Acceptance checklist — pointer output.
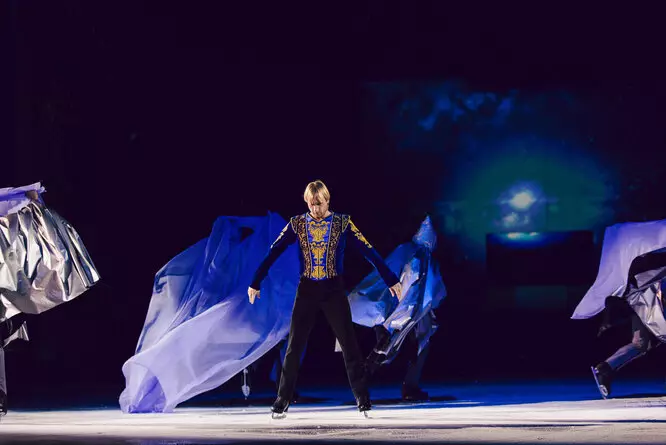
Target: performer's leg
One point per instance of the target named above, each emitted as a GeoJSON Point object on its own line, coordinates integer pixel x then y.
{"type": "Point", "coordinates": [337, 312]}
{"type": "Point", "coordinates": [642, 342]}
{"type": "Point", "coordinates": [3, 383]}
{"type": "Point", "coordinates": [410, 386]}
{"type": "Point", "coordinates": [3, 380]}
{"type": "Point", "coordinates": [276, 374]}
{"type": "Point", "coordinates": [415, 368]}
{"type": "Point", "coordinates": [9, 326]}
{"type": "Point", "coordinates": [278, 353]}
{"type": "Point", "coordinates": [303, 317]}
{"type": "Point", "coordinates": [377, 356]}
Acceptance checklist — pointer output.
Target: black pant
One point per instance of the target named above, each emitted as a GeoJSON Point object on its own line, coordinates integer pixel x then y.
{"type": "Point", "coordinates": [7, 328]}
{"type": "Point", "coordinates": [329, 296]}
{"type": "Point", "coordinates": [641, 343]}
{"type": "Point", "coordinates": [411, 343]}
{"type": "Point", "coordinates": [416, 362]}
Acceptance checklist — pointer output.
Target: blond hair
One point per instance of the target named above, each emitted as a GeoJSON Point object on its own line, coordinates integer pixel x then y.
{"type": "Point", "coordinates": [316, 190]}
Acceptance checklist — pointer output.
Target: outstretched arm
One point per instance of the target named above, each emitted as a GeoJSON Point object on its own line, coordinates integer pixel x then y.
{"type": "Point", "coordinates": [370, 253]}
{"type": "Point", "coordinates": [286, 237]}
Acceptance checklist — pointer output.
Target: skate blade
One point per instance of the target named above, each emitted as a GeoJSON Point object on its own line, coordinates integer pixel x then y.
{"type": "Point", "coordinates": [366, 414]}
{"type": "Point", "coordinates": [602, 389]}
{"type": "Point", "coordinates": [276, 416]}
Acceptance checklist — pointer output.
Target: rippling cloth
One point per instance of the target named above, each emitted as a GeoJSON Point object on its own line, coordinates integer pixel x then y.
{"type": "Point", "coordinates": [200, 329]}
{"type": "Point", "coordinates": [43, 261]}
{"type": "Point", "coordinates": [633, 262]}
{"type": "Point", "coordinates": [423, 288]}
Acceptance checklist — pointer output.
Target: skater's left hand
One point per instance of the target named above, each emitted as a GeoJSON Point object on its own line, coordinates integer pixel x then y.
{"type": "Point", "coordinates": [396, 291]}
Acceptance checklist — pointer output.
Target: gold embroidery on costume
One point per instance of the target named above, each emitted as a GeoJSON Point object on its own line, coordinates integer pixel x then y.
{"type": "Point", "coordinates": [318, 270]}
{"type": "Point", "coordinates": [359, 235]}
{"type": "Point", "coordinates": [298, 224]}
{"type": "Point", "coordinates": [333, 239]}
{"type": "Point", "coordinates": [318, 231]}
{"type": "Point", "coordinates": [345, 222]}
{"type": "Point", "coordinates": [319, 242]}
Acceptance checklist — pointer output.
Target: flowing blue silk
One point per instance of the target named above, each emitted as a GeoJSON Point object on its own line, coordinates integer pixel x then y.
{"type": "Point", "coordinates": [200, 329]}
{"type": "Point", "coordinates": [423, 288]}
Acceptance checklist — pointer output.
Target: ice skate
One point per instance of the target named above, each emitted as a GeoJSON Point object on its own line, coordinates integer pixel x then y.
{"type": "Point", "coordinates": [279, 408]}
{"type": "Point", "coordinates": [364, 405]}
{"type": "Point", "coordinates": [602, 374]}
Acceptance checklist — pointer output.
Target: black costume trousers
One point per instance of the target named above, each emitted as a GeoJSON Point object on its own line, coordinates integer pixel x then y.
{"type": "Point", "coordinates": [329, 296]}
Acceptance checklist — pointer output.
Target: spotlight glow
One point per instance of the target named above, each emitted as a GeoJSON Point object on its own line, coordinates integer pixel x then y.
{"type": "Point", "coordinates": [522, 200]}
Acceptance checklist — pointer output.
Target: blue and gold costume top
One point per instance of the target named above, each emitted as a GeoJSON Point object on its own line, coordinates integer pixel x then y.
{"type": "Point", "coordinates": [322, 246]}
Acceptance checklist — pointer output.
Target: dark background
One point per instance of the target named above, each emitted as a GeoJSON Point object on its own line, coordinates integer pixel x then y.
{"type": "Point", "coordinates": [147, 120]}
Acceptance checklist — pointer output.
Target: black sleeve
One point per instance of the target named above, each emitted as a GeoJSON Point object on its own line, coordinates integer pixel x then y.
{"type": "Point", "coordinates": [371, 254]}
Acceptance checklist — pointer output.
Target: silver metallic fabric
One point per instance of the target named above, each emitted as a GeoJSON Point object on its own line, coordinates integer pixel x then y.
{"type": "Point", "coordinates": [632, 265]}
{"type": "Point", "coordinates": [43, 262]}
{"type": "Point", "coordinates": [423, 289]}
{"type": "Point", "coordinates": [650, 310]}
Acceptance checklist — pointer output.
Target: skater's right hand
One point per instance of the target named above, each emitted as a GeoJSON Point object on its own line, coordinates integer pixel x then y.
{"type": "Point", "coordinates": [252, 294]}
{"type": "Point", "coordinates": [396, 291]}
{"type": "Point", "coordinates": [32, 195]}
